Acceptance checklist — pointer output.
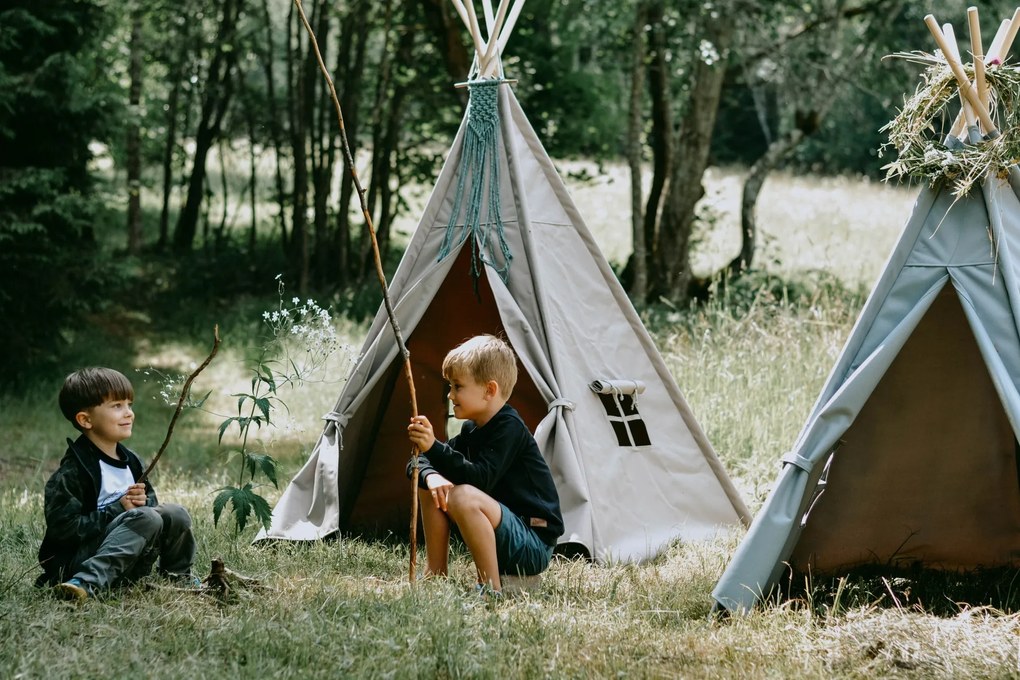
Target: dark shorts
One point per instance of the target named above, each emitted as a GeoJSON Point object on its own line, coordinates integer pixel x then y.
{"type": "Point", "coordinates": [519, 550]}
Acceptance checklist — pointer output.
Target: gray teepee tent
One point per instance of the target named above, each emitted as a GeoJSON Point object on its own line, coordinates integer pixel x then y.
{"type": "Point", "coordinates": [501, 248]}
{"type": "Point", "coordinates": [910, 455]}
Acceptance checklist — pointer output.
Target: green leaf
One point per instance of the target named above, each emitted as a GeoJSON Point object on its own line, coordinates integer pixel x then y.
{"type": "Point", "coordinates": [223, 428]}
{"type": "Point", "coordinates": [262, 511]}
{"type": "Point", "coordinates": [241, 500]}
{"type": "Point", "coordinates": [263, 462]}
{"type": "Point", "coordinates": [221, 501]}
{"type": "Point", "coordinates": [201, 402]}
{"type": "Point", "coordinates": [263, 405]}
{"type": "Point", "coordinates": [269, 380]}
{"type": "Point", "coordinates": [268, 467]}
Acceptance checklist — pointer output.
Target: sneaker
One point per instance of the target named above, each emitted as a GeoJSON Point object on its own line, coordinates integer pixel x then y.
{"type": "Point", "coordinates": [73, 589]}
{"type": "Point", "coordinates": [487, 592]}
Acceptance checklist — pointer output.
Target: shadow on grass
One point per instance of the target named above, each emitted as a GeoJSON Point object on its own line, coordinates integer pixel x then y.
{"type": "Point", "coordinates": [932, 591]}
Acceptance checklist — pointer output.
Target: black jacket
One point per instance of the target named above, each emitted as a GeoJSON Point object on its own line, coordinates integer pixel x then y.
{"type": "Point", "coordinates": [74, 527]}
{"type": "Point", "coordinates": [502, 459]}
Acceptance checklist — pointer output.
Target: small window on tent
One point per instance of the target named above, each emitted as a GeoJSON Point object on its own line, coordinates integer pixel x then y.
{"type": "Point", "coordinates": [620, 400]}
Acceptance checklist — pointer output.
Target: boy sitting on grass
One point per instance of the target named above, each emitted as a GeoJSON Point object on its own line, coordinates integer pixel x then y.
{"type": "Point", "coordinates": [103, 528]}
{"type": "Point", "coordinates": [490, 480]}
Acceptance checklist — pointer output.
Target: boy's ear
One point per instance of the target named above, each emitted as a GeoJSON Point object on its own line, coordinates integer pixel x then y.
{"type": "Point", "coordinates": [492, 388]}
{"type": "Point", "coordinates": [83, 419]}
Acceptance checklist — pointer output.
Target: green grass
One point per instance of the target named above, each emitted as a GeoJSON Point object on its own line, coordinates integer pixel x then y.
{"type": "Point", "coordinates": [750, 364]}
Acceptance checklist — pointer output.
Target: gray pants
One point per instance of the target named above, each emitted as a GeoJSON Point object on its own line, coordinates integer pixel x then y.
{"type": "Point", "coordinates": [134, 540]}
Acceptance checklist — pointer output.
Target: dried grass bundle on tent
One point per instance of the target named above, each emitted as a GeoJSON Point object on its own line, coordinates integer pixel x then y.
{"type": "Point", "coordinates": [918, 132]}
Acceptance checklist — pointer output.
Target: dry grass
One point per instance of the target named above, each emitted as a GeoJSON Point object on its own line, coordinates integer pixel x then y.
{"type": "Point", "coordinates": [750, 368]}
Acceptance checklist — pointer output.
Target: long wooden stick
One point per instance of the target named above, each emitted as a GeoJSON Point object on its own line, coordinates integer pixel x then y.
{"type": "Point", "coordinates": [180, 403]}
{"type": "Point", "coordinates": [387, 302]}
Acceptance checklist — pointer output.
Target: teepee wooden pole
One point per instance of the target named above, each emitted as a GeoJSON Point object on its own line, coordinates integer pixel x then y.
{"type": "Point", "coordinates": [999, 50]}
{"type": "Point", "coordinates": [966, 89]}
{"type": "Point", "coordinates": [952, 52]}
{"type": "Point", "coordinates": [489, 20]}
{"type": "Point", "coordinates": [508, 27]}
{"type": "Point", "coordinates": [978, 54]}
{"type": "Point", "coordinates": [388, 303]}
{"type": "Point", "coordinates": [490, 48]}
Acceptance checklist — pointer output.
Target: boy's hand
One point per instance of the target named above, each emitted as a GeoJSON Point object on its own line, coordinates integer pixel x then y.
{"type": "Point", "coordinates": [134, 497]}
{"type": "Point", "coordinates": [420, 433]}
{"type": "Point", "coordinates": [440, 487]}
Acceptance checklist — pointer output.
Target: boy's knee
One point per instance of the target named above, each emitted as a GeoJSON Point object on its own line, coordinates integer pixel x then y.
{"type": "Point", "coordinates": [174, 514]}
{"type": "Point", "coordinates": [466, 497]}
{"type": "Point", "coordinates": [145, 521]}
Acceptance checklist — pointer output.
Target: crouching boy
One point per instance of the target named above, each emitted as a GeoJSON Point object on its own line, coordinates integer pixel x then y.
{"type": "Point", "coordinates": [490, 480]}
{"type": "Point", "coordinates": [103, 527]}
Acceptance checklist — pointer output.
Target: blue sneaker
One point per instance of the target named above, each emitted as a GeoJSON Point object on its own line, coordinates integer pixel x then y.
{"type": "Point", "coordinates": [73, 589]}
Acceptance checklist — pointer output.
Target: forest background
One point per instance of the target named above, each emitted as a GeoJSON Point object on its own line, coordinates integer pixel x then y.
{"type": "Point", "coordinates": [177, 156]}
{"type": "Point", "coordinates": [164, 166]}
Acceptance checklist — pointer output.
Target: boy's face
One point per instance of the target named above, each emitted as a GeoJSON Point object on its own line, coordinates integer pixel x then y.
{"type": "Point", "coordinates": [108, 423]}
{"type": "Point", "coordinates": [470, 398]}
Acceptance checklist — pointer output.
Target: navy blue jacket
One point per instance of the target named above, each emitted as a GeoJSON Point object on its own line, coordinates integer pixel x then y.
{"type": "Point", "coordinates": [502, 459]}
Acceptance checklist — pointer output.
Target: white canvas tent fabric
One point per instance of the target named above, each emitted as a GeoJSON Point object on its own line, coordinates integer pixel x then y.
{"type": "Point", "coordinates": [909, 457]}
{"type": "Point", "coordinates": [570, 323]}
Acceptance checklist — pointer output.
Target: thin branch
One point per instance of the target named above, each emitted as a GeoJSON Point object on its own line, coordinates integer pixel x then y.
{"type": "Point", "coordinates": [180, 403]}
{"type": "Point", "coordinates": [388, 303]}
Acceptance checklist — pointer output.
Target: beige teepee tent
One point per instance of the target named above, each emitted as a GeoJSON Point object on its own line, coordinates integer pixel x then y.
{"type": "Point", "coordinates": [501, 249]}
{"type": "Point", "coordinates": [909, 458]}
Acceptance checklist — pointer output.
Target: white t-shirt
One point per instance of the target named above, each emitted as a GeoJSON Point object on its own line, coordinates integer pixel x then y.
{"type": "Point", "coordinates": [115, 478]}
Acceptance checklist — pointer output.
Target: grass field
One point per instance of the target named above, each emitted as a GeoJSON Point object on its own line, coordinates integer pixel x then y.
{"type": "Point", "coordinates": [750, 366]}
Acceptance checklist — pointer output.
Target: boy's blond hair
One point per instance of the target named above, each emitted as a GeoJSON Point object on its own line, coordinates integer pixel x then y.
{"type": "Point", "coordinates": [90, 387]}
{"type": "Point", "coordinates": [484, 358]}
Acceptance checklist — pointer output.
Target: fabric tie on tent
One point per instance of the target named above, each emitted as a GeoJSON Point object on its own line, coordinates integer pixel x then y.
{"type": "Point", "coordinates": [480, 158]}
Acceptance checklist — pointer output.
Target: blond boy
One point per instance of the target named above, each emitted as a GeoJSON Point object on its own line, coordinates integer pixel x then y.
{"type": "Point", "coordinates": [491, 480]}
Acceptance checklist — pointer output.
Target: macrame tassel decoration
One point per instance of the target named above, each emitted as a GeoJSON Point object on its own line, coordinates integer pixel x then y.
{"type": "Point", "coordinates": [479, 170]}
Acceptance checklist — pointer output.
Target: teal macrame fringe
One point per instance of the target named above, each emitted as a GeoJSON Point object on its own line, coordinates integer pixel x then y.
{"type": "Point", "coordinates": [480, 156]}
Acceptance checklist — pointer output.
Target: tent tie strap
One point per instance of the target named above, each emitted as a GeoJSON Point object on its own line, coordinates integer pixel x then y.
{"type": "Point", "coordinates": [562, 403]}
{"type": "Point", "coordinates": [791, 458]}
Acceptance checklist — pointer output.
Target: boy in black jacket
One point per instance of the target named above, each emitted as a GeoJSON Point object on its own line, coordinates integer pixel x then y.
{"type": "Point", "coordinates": [103, 528]}
{"type": "Point", "coordinates": [490, 480]}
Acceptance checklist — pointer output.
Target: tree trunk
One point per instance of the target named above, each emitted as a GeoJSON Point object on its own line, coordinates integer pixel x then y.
{"type": "Point", "coordinates": [275, 134]}
{"type": "Point", "coordinates": [639, 282]}
{"type": "Point", "coordinates": [253, 180]}
{"type": "Point", "coordinates": [352, 79]}
{"type": "Point", "coordinates": [446, 27]}
{"type": "Point", "coordinates": [689, 163]}
{"type": "Point", "coordinates": [134, 135]}
{"type": "Point", "coordinates": [323, 152]}
{"type": "Point", "coordinates": [776, 151]}
{"type": "Point", "coordinates": [218, 93]}
{"type": "Point", "coordinates": [176, 75]}
{"type": "Point", "coordinates": [661, 137]}
{"type": "Point", "coordinates": [384, 157]}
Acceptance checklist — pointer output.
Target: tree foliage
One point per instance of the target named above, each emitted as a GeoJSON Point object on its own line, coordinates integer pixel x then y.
{"type": "Point", "coordinates": [49, 113]}
{"type": "Point", "coordinates": [235, 135]}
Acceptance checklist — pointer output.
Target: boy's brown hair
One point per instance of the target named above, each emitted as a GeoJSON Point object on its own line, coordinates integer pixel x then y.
{"type": "Point", "coordinates": [484, 358]}
{"type": "Point", "coordinates": [89, 387]}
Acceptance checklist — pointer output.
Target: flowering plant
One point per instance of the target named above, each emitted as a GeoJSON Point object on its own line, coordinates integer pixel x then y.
{"type": "Point", "coordinates": [303, 339]}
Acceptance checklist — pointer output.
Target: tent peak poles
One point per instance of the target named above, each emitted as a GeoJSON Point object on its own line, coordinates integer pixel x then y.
{"type": "Point", "coordinates": [388, 303]}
